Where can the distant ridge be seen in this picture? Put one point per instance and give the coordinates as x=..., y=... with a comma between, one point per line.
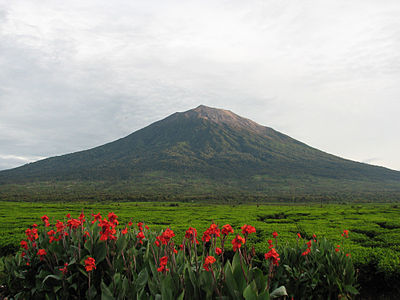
x=203, y=152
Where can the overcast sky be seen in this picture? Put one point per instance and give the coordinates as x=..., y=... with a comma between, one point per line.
x=78, y=74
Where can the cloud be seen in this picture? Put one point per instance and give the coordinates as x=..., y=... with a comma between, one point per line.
x=74, y=75
x=10, y=161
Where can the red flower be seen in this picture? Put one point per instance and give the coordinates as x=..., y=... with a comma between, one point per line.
x=345, y=233
x=299, y=235
x=237, y=242
x=64, y=270
x=275, y=234
x=31, y=234
x=163, y=264
x=60, y=226
x=113, y=218
x=273, y=256
x=309, y=244
x=24, y=244
x=124, y=231
x=191, y=234
x=166, y=236
x=107, y=230
x=68, y=216
x=41, y=253
x=247, y=229
x=163, y=261
x=140, y=236
x=306, y=252
x=130, y=223
x=212, y=231
x=206, y=237
x=96, y=217
x=337, y=249
x=218, y=251
x=45, y=219
x=140, y=226
x=147, y=227
x=73, y=223
x=270, y=244
x=51, y=234
x=82, y=217
x=90, y=264
x=227, y=229
x=208, y=262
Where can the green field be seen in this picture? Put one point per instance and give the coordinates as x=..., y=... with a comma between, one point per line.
x=374, y=241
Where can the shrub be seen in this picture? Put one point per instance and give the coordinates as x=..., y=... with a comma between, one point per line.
x=94, y=259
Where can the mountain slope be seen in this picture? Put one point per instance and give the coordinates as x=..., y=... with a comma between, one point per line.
x=203, y=144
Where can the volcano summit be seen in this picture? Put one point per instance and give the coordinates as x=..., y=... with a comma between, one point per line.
x=200, y=154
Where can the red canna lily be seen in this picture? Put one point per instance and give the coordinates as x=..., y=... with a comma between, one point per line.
x=247, y=229
x=41, y=253
x=140, y=236
x=163, y=264
x=90, y=264
x=24, y=244
x=273, y=256
x=208, y=262
x=227, y=229
x=237, y=242
x=65, y=269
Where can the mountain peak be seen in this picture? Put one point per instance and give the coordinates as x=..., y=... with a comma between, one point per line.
x=222, y=116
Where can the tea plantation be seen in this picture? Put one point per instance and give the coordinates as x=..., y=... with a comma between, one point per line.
x=373, y=243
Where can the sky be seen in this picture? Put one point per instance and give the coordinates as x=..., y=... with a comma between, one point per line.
x=78, y=74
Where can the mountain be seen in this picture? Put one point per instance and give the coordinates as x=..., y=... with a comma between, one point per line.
x=201, y=153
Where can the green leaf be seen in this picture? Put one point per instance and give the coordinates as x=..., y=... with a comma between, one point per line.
x=51, y=276
x=230, y=281
x=181, y=296
x=91, y=293
x=167, y=286
x=249, y=293
x=100, y=252
x=279, y=292
x=106, y=294
x=263, y=296
x=350, y=289
x=125, y=286
x=142, y=279
x=121, y=244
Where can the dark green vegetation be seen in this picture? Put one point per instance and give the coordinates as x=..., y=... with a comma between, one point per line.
x=374, y=241
x=96, y=260
x=203, y=153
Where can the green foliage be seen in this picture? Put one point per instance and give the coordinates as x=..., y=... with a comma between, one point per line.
x=373, y=245
x=96, y=260
x=315, y=275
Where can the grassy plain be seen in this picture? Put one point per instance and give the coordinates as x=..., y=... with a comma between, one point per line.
x=374, y=241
